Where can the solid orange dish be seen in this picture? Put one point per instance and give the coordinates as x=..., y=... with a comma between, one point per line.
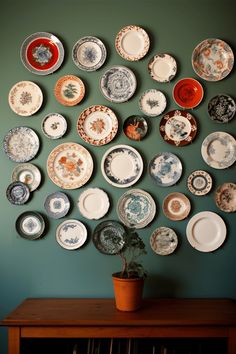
x=188, y=93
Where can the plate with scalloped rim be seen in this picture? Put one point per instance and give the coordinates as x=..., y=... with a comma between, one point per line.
x=93, y=203
x=162, y=67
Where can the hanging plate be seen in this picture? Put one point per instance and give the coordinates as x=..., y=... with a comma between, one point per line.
x=221, y=108
x=69, y=90
x=18, y=193
x=54, y=125
x=199, y=182
x=135, y=127
x=93, y=203
x=30, y=225
x=188, y=93
x=225, y=197
x=163, y=241
x=162, y=67
x=71, y=234
x=28, y=174
x=57, y=205
x=152, y=102
x=176, y=206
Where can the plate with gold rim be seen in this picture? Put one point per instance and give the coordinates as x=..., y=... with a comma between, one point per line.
x=176, y=206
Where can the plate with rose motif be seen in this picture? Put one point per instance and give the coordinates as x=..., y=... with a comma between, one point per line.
x=135, y=127
x=25, y=98
x=162, y=67
x=199, y=182
x=42, y=53
x=176, y=206
x=93, y=203
x=30, y=225
x=28, y=174
x=89, y=53
x=54, y=125
x=69, y=90
x=132, y=43
x=219, y=150
x=69, y=165
x=188, y=93
x=163, y=241
x=225, y=197
x=221, y=108
x=178, y=127
x=71, y=234
x=212, y=59
x=97, y=125
x=152, y=102
x=57, y=205
x=18, y=193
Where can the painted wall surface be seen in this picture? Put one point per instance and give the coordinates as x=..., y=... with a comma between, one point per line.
x=44, y=269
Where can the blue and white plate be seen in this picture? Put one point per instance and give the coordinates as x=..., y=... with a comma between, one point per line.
x=71, y=234
x=57, y=205
x=30, y=225
x=18, y=193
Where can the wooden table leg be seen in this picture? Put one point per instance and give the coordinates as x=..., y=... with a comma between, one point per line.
x=14, y=340
x=232, y=341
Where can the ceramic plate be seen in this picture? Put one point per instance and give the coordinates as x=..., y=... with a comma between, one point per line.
x=71, y=234
x=225, y=197
x=221, y=108
x=21, y=144
x=188, y=93
x=132, y=43
x=199, y=182
x=89, y=53
x=69, y=90
x=69, y=165
x=122, y=166
x=165, y=169
x=42, y=53
x=136, y=208
x=176, y=206
x=109, y=237
x=54, y=125
x=206, y=231
x=178, y=127
x=163, y=241
x=152, y=102
x=118, y=84
x=212, y=59
x=162, y=67
x=25, y=98
x=219, y=150
x=97, y=125
x=57, y=205
x=18, y=193
x=30, y=225
x=28, y=174
x=135, y=127
x=93, y=203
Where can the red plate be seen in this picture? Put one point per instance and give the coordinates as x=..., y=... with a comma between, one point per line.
x=188, y=93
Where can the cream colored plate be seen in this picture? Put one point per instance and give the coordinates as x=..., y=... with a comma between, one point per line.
x=93, y=203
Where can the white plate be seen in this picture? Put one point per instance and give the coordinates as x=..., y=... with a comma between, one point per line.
x=152, y=102
x=54, y=125
x=206, y=231
x=93, y=203
x=162, y=67
x=28, y=174
x=163, y=241
x=199, y=182
x=71, y=234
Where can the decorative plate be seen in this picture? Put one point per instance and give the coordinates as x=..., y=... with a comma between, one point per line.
x=69, y=90
x=188, y=93
x=57, y=205
x=163, y=241
x=212, y=59
x=162, y=67
x=21, y=144
x=42, y=53
x=54, y=125
x=219, y=150
x=199, y=182
x=18, y=193
x=30, y=225
x=89, y=53
x=135, y=127
x=152, y=102
x=178, y=127
x=97, y=125
x=176, y=206
x=221, y=108
x=165, y=169
x=136, y=208
x=28, y=174
x=118, y=84
x=69, y=165
x=206, y=231
x=71, y=234
x=122, y=166
x=25, y=98
x=132, y=43
x=225, y=197
x=93, y=203
x=109, y=237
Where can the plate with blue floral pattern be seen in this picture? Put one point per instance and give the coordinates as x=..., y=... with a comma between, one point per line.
x=30, y=225
x=57, y=205
x=71, y=234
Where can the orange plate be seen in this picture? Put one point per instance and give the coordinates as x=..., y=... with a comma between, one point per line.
x=188, y=93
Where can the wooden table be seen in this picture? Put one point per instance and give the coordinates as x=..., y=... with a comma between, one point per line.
x=98, y=318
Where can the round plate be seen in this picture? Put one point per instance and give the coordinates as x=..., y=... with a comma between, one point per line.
x=163, y=241
x=69, y=90
x=188, y=93
x=30, y=225
x=152, y=102
x=25, y=98
x=28, y=174
x=118, y=84
x=219, y=150
x=136, y=208
x=178, y=127
x=135, y=127
x=221, y=108
x=206, y=231
x=21, y=144
x=89, y=53
x=71, y=234
x=162, y=67
x=69, y=165
x=225, y=197
x=93, y=203
x=176, y=206
x=212, y=59
x=199, y=182
x=97, y=125
x=122, y=166
x=54, y=125
x=132, y=43
x=109, y=237
x=18, y=193
x=57, y=205
x=165, y=169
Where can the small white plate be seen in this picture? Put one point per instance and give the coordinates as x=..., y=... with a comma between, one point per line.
x=152, y=102
x=93, y=203
x=27, y=173
x=54, y=125
x=162, y=67
x=71, y=234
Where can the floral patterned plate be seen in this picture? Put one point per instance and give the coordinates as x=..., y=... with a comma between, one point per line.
x=54, y=125
x=225, y=197
x=135, y=127
x=57, y=205
x=152, y=102
x=199, y=182
x=30, y=225
x=71, y=234
x=188, y=93
x=18, y=193
x=93, y=203
x=28, y=174
x=69, y=90
x=176, y=206
x=162, y=67
x=163, y=241
x=221, y=108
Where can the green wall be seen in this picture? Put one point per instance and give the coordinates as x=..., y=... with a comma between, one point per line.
x=42, y=268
